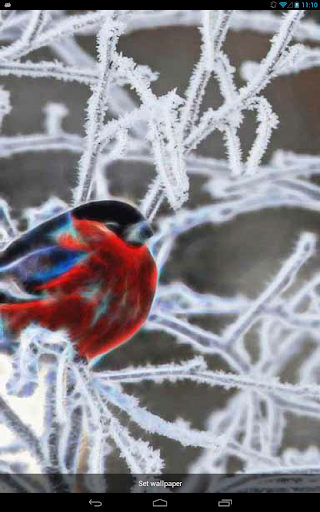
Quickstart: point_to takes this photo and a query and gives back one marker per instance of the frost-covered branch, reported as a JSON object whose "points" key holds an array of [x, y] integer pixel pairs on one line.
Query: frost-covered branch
{"points": [[89, 416], [107, 40], [211, 119]]}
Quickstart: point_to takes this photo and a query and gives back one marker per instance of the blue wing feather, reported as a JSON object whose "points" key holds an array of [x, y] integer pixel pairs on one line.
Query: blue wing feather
{"points": [[36, 257], [42, 236], [40, 266], [62, 260]]}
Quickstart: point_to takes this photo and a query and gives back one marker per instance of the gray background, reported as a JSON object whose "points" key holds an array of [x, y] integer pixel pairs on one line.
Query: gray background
{"points": [[237, 257]]}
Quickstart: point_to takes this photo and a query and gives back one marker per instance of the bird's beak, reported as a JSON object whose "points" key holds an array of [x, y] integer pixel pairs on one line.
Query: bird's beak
{"points": [[138, 233]]}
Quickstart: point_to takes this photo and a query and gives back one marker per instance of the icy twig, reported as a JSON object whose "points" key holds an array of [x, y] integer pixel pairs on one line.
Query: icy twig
{"points": [[107, 40]]}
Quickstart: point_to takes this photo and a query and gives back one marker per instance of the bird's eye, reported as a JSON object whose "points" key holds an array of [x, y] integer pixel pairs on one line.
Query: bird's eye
{"points": [[113, 226]]}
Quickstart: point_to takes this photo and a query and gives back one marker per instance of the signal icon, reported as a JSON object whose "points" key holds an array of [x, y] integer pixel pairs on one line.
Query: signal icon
{"points": [[283, 4]]}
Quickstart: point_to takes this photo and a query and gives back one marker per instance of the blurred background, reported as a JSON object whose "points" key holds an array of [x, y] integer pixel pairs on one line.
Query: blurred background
{"points": [[236, 257]]}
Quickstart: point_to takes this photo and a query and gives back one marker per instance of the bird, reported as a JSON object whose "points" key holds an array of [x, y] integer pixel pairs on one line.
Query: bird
{"points": [[87, 270]]}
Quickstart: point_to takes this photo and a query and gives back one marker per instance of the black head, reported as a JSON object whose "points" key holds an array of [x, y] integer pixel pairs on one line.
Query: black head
{"points": [[120, 217]]}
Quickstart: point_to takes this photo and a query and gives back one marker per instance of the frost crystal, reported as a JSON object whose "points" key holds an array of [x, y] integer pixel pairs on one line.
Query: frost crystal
{"points": [[88, 416]]}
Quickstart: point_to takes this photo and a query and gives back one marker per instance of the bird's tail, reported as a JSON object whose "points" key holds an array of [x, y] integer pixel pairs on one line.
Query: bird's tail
{"points": [[13, 319], [6, 340], [17, 316]]}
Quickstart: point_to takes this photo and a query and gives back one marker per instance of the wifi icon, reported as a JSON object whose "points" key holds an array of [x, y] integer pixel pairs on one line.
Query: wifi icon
{"points": [[283, 4]]}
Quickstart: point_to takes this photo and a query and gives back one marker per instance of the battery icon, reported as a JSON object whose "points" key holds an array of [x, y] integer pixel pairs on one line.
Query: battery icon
{"points": [[296, 5]]}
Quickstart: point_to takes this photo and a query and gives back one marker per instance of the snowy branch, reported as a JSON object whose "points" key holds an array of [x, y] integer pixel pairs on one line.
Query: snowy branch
{"points": [[88, 415]]}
